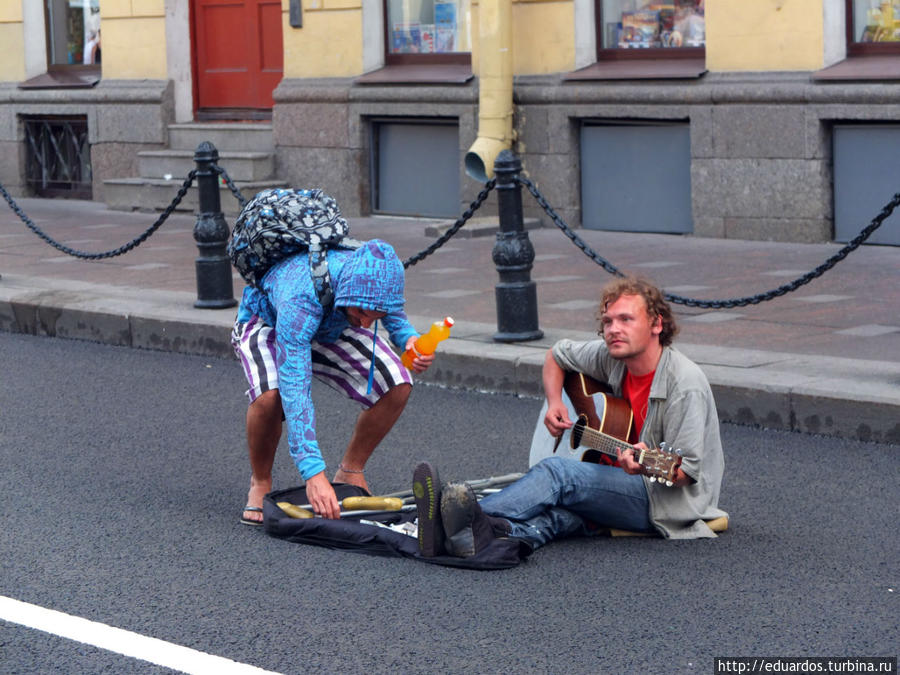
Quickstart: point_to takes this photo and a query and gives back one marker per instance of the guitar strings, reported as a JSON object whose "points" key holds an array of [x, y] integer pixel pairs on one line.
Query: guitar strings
{"points": [[652, 462], [605, 439]]}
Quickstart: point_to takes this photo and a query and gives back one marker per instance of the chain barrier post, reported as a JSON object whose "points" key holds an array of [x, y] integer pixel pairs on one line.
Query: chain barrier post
{"points": [[215, 288], [513, 254]]}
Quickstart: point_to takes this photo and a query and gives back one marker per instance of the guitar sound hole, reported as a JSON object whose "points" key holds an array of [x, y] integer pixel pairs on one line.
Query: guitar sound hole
{"points": [[593, 456], [578, 432]]}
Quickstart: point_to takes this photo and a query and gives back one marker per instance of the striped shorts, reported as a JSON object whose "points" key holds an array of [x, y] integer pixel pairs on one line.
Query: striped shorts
{"points": [[343, 365]]}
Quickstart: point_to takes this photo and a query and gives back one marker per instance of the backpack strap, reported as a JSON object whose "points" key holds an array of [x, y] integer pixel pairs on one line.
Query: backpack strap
{"points": [[318, 269]]}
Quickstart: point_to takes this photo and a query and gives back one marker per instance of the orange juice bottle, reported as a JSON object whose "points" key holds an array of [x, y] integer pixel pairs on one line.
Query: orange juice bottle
{"points": [[428, 342]]}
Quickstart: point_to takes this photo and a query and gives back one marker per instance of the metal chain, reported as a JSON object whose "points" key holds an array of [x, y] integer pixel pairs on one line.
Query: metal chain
{"points": [[231, 186], [855, 243], [182, 191], [561, 224], [468, 213]]}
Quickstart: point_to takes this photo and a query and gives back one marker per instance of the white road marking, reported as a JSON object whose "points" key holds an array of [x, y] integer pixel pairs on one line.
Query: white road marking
{"points": [[121, 641]]}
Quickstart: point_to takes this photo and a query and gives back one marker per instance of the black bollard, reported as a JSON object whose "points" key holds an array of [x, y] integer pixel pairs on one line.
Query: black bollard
{"points": [[215, 289], [516, 294]]}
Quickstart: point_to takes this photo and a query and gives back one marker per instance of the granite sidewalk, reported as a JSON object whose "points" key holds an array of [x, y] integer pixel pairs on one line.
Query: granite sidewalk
{"points": [[822, 359]]}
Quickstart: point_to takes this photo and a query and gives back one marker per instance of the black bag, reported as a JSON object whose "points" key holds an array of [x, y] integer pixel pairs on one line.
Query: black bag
{"points": [[351, 535], [279, 223]]}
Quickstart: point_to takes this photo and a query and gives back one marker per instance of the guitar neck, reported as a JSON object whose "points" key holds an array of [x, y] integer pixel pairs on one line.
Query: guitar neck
{"points": [[660, 464], [597, 440]]}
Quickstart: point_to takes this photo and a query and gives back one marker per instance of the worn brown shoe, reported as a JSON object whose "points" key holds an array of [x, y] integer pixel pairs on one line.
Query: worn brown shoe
{"points": [[467, 530]]}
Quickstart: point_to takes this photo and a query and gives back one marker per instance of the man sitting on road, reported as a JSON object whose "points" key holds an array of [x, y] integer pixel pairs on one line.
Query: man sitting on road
{"points": [[284, 336], [671, 401]]}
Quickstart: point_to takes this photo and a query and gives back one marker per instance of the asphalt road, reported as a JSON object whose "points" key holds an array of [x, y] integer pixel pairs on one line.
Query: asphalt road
{"points": [[123, 474]]}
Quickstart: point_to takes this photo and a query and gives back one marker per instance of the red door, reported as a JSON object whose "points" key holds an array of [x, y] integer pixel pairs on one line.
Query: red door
{"points": [[238, 55]]}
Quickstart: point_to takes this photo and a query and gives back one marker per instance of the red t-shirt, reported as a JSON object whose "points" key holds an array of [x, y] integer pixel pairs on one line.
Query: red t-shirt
{"points": [[636, 390]]}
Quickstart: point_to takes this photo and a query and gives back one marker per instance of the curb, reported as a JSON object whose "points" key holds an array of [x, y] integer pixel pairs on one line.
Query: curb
{"points": [[855, 399]]}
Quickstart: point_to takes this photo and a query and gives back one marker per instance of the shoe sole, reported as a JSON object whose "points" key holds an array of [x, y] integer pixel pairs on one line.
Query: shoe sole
{"points": [[426, 491], [250, 521]]}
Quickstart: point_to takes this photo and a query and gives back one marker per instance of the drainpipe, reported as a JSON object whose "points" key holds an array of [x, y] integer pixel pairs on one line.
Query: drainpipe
{"points": [[495, 88]]}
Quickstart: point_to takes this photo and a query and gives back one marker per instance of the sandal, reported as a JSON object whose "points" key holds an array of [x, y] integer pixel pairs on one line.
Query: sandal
{"points": [[250, 521]]}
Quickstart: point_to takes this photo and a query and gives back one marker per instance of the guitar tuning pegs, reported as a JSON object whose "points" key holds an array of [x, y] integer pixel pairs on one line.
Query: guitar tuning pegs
{"points": [[652, 479], [669, 483], [662, 446], [679, 452]]}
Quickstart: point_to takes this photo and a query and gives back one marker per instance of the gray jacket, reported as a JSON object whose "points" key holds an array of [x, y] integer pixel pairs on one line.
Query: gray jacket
{"points": [[681, 411]]}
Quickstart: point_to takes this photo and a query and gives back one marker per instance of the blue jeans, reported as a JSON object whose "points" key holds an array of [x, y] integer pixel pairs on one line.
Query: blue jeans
{"points": [[557, 496]]}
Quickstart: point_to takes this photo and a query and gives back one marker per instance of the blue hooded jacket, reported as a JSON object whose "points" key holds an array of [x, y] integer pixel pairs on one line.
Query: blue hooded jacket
{"points": [[370, 277]]}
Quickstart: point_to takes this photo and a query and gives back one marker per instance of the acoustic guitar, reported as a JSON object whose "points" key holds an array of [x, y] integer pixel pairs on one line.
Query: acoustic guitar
{"points": [[605, 423]]}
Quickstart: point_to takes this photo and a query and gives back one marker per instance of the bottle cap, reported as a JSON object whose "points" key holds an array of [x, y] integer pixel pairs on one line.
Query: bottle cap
{"points": [[448, 320]]}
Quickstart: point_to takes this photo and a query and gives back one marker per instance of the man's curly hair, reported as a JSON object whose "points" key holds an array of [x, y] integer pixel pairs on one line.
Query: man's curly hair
{"points": [[657, 306]]}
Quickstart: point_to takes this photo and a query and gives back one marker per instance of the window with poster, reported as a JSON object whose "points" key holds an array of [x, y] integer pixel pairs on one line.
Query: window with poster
{"points": [[873, 27], [650, 29], [428, 31], [873, 43], [73, 32], [74, 50]]}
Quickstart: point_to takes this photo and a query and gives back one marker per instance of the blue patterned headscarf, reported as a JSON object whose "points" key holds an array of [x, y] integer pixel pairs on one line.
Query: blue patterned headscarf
{"points": [[372, 279]]}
